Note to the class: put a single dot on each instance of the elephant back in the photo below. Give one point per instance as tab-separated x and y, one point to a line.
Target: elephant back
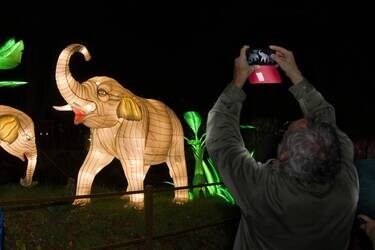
9	126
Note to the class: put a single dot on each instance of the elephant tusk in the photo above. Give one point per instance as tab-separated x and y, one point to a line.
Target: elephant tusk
66	107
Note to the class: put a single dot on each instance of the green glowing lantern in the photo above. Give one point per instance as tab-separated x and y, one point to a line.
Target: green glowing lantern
205	171
11	83
11	54
10	57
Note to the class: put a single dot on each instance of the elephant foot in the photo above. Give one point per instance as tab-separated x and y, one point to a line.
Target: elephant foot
125	197
180	201
81	202
135	205
26	184
135	201
181	197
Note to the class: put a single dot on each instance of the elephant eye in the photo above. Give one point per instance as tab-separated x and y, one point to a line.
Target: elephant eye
28	137
102	92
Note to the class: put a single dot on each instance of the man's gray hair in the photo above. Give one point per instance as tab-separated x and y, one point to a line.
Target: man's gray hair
313	153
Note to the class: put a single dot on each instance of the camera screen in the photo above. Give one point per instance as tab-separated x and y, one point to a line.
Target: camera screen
260	57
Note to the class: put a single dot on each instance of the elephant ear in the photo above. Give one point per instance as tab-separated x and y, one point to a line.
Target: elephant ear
129	109
9	126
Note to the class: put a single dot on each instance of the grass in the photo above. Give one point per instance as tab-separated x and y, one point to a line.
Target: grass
107	221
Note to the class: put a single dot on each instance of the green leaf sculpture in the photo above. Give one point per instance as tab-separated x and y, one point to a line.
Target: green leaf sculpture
11	83
204	172
11	54
10	57
194	120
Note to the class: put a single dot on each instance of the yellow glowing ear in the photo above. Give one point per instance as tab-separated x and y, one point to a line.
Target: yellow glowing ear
129	109
9	126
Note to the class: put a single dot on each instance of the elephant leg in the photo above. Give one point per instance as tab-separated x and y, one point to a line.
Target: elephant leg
178	172
135	175
146	168
95	161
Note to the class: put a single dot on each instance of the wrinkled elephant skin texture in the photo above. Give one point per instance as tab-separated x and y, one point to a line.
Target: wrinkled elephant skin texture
137	131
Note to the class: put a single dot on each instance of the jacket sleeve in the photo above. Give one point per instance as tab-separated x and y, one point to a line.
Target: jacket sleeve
225	146
312	103
316	108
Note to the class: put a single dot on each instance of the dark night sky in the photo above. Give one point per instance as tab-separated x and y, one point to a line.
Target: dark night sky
183	54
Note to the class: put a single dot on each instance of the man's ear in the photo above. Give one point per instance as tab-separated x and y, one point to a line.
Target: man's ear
284	156
9	126
129	109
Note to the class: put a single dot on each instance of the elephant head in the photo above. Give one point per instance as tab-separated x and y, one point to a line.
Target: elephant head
17	137
93	101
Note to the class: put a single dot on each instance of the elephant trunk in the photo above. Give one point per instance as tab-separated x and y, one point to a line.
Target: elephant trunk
31	163
70	89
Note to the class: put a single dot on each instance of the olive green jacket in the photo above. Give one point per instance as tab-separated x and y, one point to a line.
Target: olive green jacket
278	212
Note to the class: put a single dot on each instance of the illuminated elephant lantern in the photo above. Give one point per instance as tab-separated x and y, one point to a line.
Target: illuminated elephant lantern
17	137
139	132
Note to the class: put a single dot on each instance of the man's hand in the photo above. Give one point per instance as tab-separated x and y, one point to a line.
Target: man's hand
368	226
287	63
242	69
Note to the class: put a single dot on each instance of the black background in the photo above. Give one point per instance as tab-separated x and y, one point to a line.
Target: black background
182	54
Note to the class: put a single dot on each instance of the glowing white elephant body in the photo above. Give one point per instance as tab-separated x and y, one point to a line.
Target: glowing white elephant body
17	137
139	132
